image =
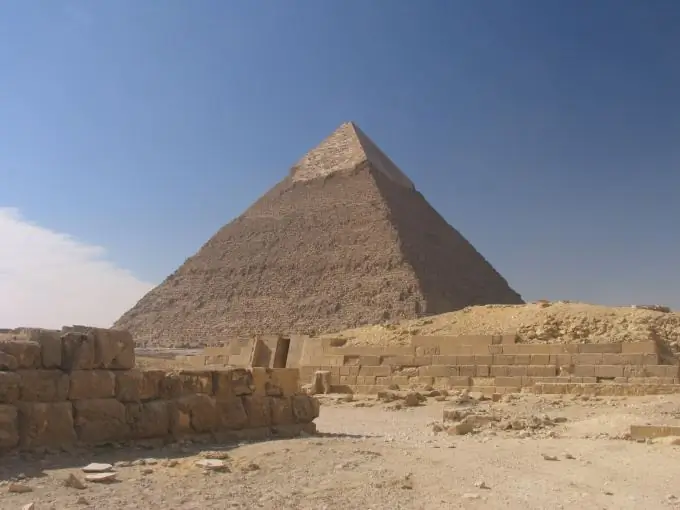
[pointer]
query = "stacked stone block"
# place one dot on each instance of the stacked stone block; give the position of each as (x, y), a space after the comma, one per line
(79, 386)
(495, 364)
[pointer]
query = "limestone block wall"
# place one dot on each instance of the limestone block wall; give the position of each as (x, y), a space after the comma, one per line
(493, 364)
(79, 386)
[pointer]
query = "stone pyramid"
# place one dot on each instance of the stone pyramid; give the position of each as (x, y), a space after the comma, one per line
(344, 240)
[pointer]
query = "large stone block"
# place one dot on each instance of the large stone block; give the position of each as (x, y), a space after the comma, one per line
(100, 420)
(50, 347)
(148, 420)
(275, 382)
(282, 411)
(170, 386)
(232, 413)
(262, 380)
(78, 351)
(258, 412)
(114, 349)
(232, 382)
(196, 381)
(285, 382)
(305, 408)
(46, 425)
(10, 387)
(138, 385)
(9, 427)
(193, 414)
(26, 353)
(87, 384)
(44, 385)
(8, 362)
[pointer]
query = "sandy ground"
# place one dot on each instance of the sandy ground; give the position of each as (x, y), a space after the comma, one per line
(370, 456)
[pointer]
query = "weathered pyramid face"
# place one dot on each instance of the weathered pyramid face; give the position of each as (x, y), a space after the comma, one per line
(344, 240)
(346, 149)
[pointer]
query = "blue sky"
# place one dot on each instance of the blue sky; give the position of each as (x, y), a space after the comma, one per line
(546, 131)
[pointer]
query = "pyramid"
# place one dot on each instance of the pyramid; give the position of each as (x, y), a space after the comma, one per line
(344, 240)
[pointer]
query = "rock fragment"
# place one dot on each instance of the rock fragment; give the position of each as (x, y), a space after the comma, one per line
(18, 488)
(74, 482)
(96, 467)
(101, 477)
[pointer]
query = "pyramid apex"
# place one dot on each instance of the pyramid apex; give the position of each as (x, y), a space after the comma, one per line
(345, 149)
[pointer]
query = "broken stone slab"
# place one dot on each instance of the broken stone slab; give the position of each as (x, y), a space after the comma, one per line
(101, 477)
(460, 429)
(97, 467)
(19, 488)
(213, 465)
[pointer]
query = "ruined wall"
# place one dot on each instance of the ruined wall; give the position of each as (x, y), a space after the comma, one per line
(485, 363)
(492, 364)
(79, 386)
(272, 351)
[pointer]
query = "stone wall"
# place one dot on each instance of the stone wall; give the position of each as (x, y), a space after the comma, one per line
(492, 364)
(79, 386)
(485, 363)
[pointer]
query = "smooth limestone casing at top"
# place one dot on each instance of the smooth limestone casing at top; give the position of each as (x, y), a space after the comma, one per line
(486, 363)
(80, 386)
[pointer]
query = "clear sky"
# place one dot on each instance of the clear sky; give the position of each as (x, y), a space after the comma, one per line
(546, 131)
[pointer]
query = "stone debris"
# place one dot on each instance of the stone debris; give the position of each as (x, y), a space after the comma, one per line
(473, 415)
(249, 467)
(29, 506)
(215, 454)
(668, 440)
(409, 398)
(19, 488)
(412, 399)
(74, 482)
(96, 467)
(213, 465)
(481, 484)
(460, 429)
(549, 457)
(101, 477)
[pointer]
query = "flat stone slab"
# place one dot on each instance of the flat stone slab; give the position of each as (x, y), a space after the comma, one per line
(97, 467)
(101, 477)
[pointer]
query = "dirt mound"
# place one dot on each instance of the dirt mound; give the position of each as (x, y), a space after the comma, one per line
(558, 322)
